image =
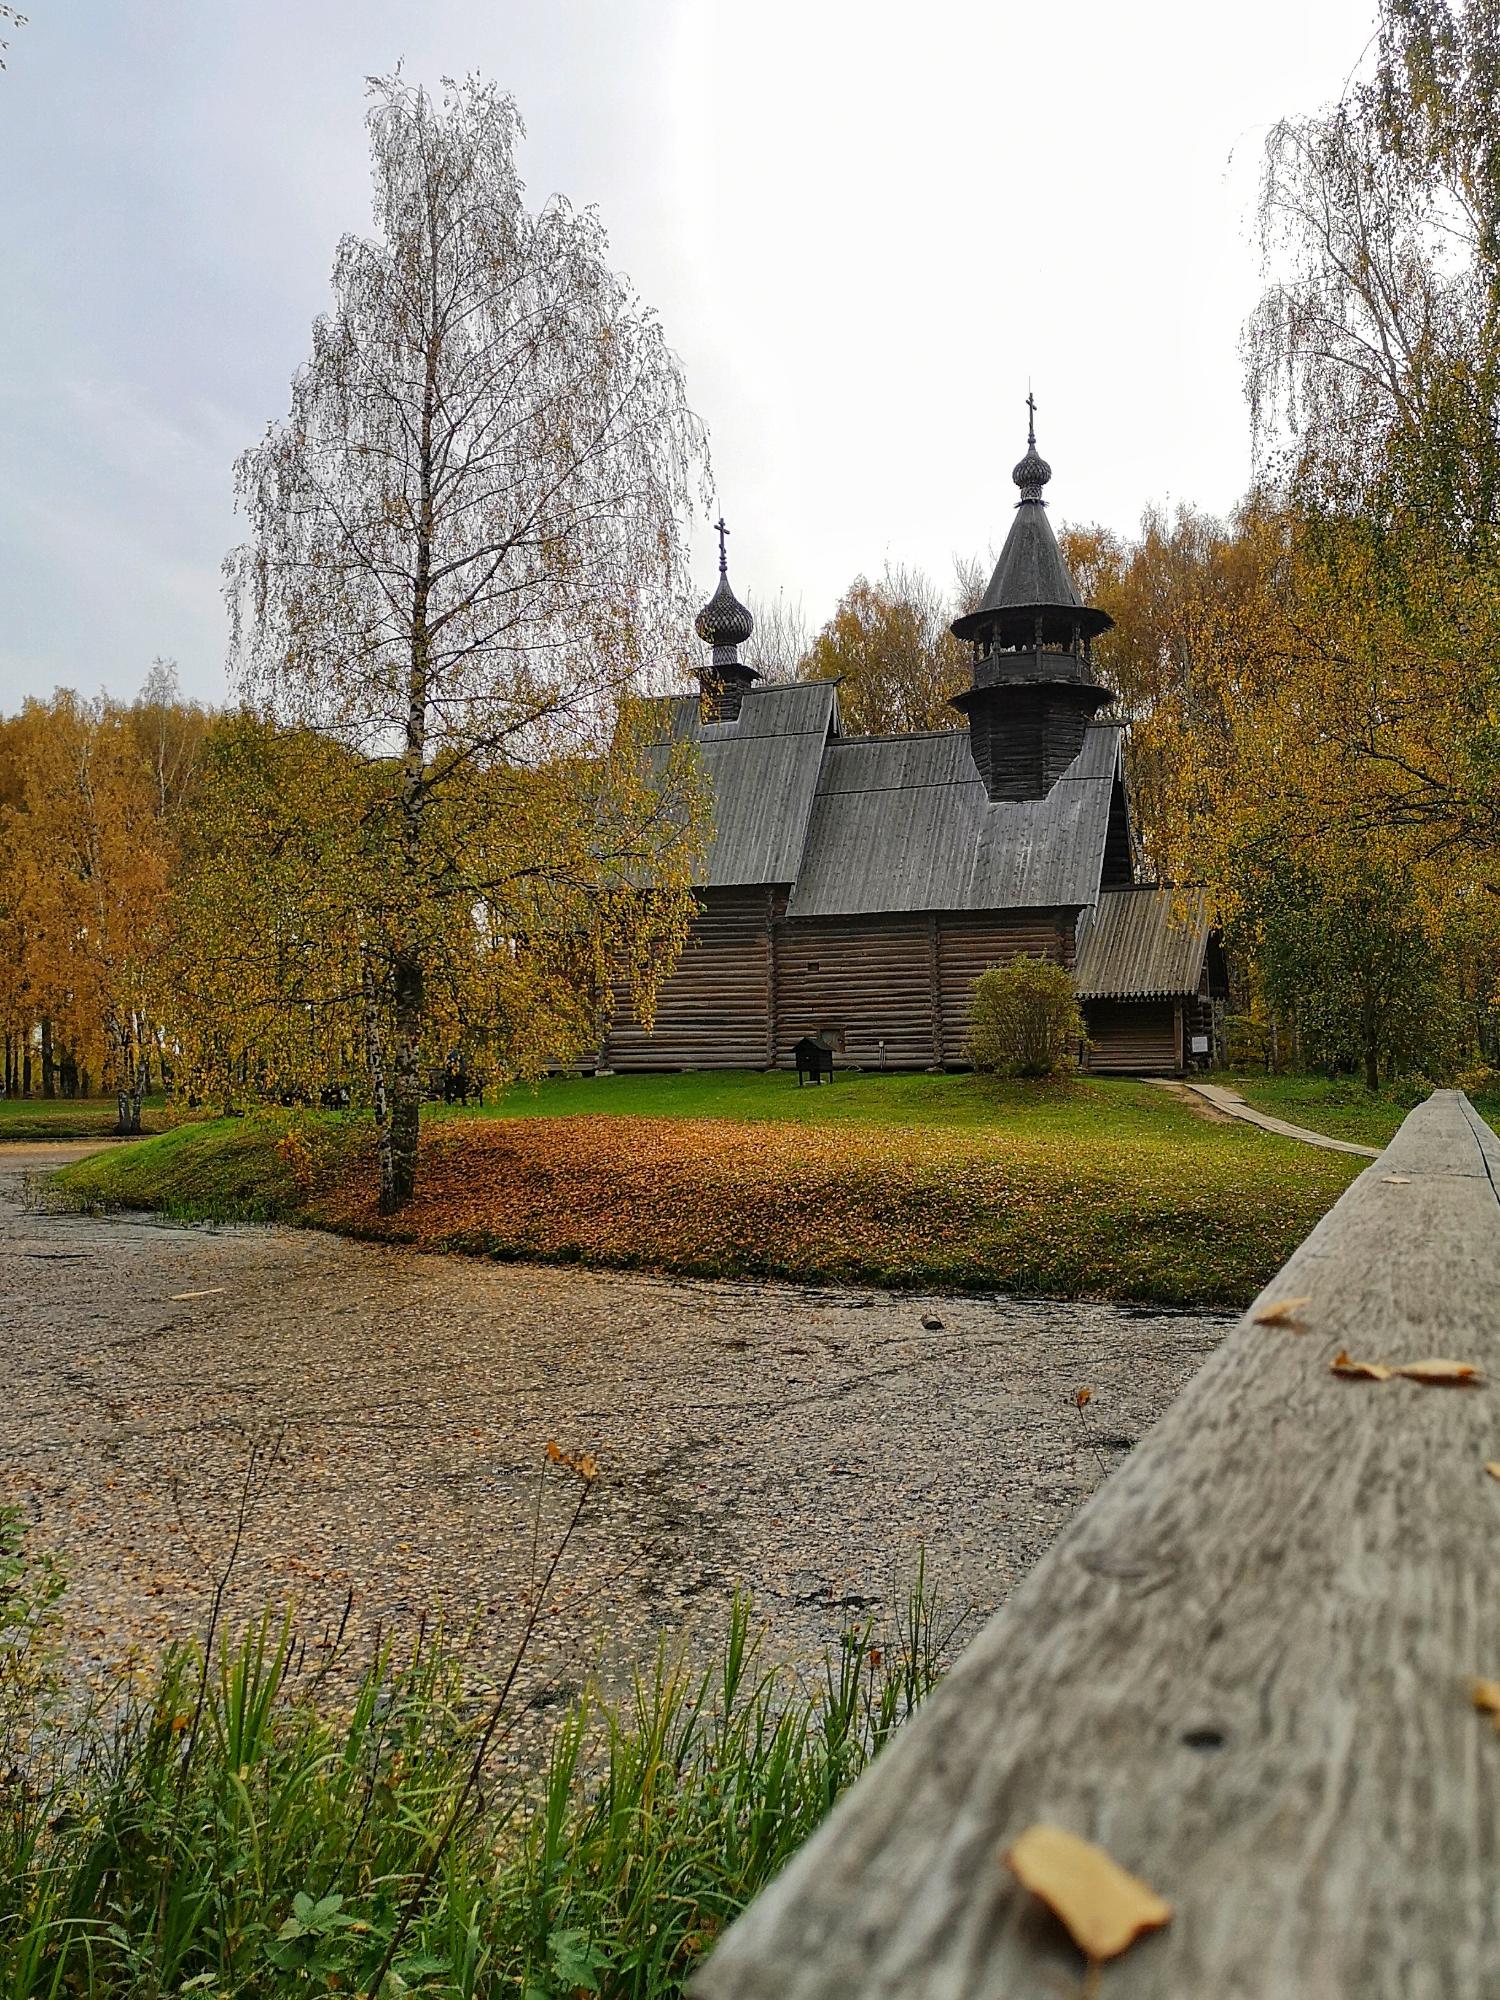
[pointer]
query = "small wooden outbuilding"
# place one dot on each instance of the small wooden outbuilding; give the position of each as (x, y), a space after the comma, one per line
(855, 887)
(1151, 977)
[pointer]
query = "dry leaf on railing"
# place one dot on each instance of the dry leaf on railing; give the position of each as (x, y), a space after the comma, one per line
(1372, 1371)
(1104, 1908)
(1281, 1312)
(1443, 1374)
(1459, 1373)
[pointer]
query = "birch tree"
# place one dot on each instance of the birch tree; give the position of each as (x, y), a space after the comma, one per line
(889, 647)
(1374, 376)
(463, 553)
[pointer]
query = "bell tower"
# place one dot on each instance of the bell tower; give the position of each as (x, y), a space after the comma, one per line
(1032, 635)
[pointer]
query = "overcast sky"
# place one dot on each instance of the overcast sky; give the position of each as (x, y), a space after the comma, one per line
(865, 224)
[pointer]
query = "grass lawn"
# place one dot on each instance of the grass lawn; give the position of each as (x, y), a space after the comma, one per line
(31, 1118)
(898, 1100)
(1102, 1189)
(1339, 1106)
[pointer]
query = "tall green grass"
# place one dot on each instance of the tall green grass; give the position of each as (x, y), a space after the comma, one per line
(225, 1827)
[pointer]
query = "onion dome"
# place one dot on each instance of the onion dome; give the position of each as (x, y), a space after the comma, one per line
(1032, 473)
(725, 624)
(724, 621)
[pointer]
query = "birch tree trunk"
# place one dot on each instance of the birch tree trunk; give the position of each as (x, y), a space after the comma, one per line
(130, 1070)
(399, 1176)
(375, 1070)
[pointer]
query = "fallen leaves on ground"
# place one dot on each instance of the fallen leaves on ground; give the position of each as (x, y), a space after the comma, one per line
(1492, 1467)
(1486, 1697)
(1396, 1180)
(1282, 1312)
(1115, 1203)
(715, 1197)
(1103, 1907)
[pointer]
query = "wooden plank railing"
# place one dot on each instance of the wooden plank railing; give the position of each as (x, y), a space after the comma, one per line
(1244, 1670)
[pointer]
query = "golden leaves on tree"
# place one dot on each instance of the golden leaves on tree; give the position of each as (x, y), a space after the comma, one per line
(94, 799)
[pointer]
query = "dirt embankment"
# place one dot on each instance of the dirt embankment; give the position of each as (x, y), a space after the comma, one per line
(1165, 1210)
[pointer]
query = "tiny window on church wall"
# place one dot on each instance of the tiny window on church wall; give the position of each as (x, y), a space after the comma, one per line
(813, 965)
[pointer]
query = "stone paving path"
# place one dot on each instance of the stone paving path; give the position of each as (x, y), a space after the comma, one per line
(1234, 1106)
(806, 1444)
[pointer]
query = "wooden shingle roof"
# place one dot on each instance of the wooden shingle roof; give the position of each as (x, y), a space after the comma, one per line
(1031, 578)
(1142, 944)
(904, 823)
(762, 771)
(874, 825)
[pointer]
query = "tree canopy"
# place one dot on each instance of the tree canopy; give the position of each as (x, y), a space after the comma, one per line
(94, 802)
(1312, 686)
(889, 647)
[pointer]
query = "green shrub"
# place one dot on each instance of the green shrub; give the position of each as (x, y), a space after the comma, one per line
(1247, 1040)
(1026, 1020)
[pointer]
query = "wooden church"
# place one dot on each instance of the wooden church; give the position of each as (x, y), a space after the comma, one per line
(855, 887)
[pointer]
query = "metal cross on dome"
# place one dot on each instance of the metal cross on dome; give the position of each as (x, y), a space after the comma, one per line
(1031, 416)
(723, 557)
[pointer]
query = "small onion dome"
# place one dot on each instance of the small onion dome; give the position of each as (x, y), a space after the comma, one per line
(1032, 474)
(724, 621)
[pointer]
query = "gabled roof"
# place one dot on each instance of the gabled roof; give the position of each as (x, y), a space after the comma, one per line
(904, 823)
(762, 769)
(874, 825)
(1142, 944)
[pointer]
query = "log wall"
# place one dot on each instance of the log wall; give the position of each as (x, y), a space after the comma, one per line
(751, 983)
(862, 981)
(714, 1011)
(1131, 1036)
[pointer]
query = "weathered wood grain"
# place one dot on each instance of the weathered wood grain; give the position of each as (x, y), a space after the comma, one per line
(895, 991)
(1243, 1670)
(866, 980)
(970, 945)
(713, 1010)
(1132, 1037)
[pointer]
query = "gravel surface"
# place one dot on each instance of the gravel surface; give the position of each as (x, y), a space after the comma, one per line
(806, 1444)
